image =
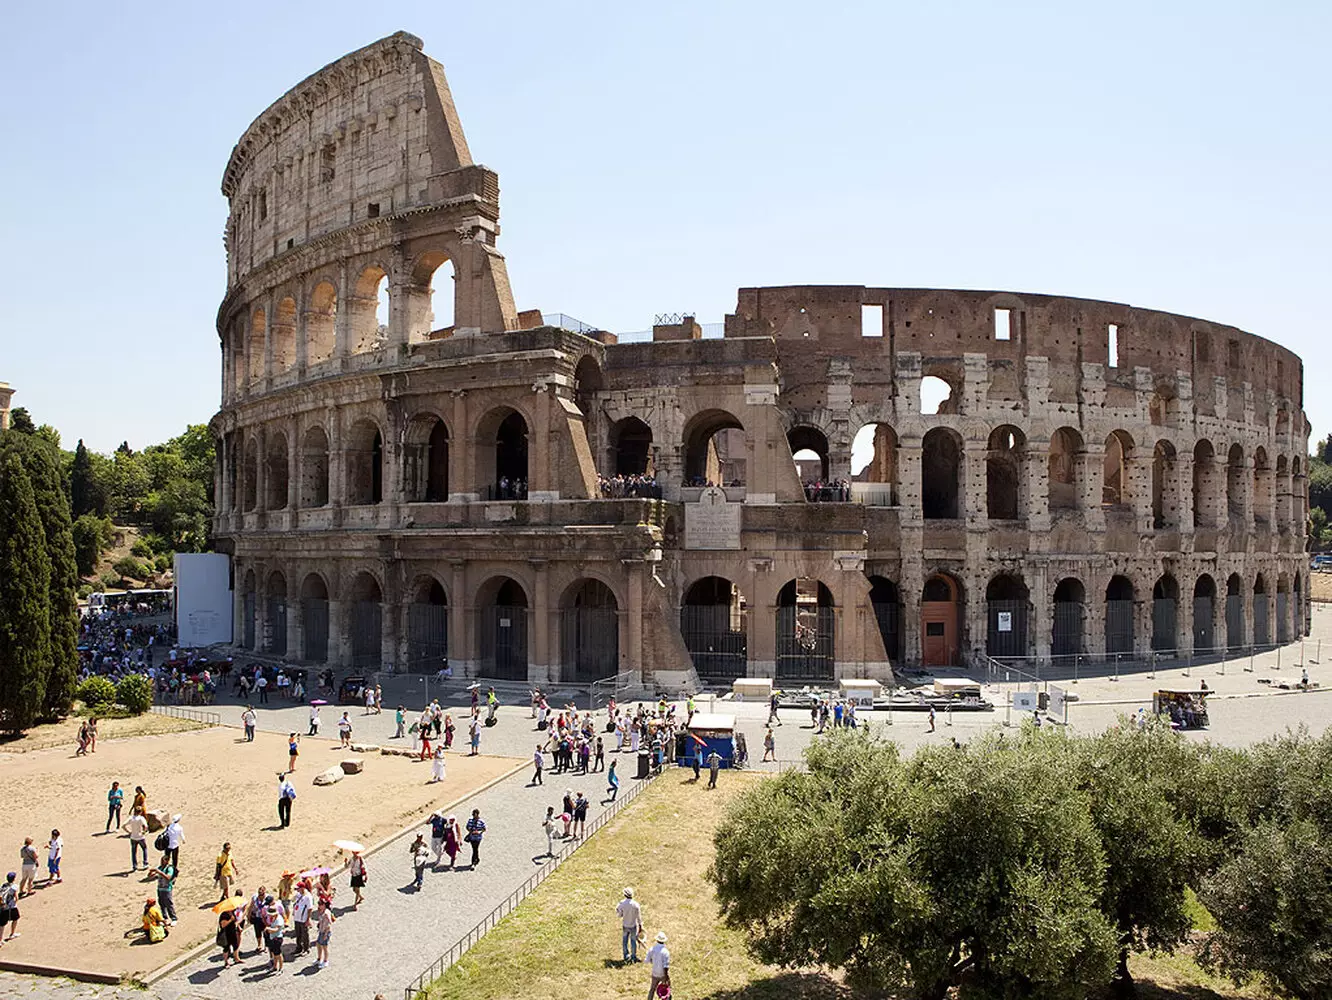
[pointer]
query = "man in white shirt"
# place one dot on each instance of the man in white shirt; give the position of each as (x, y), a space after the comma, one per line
(631, 916)
(661, 964)
(137, 828)
(300, 916)
(175, 835)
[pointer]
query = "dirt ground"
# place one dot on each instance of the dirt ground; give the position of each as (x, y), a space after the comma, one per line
(1320, 586)
(225, 789)
(65, 732)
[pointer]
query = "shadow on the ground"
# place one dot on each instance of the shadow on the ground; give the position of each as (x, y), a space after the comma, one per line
(1149, 990)
(787, 986)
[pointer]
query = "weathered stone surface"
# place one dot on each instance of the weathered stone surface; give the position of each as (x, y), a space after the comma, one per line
(365, 747)
(157, 819)
(353, 765)
(330, 777)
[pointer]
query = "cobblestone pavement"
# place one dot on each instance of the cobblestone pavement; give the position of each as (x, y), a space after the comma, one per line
(21, 987)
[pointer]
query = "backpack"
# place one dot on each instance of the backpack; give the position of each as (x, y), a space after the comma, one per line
(161, 843)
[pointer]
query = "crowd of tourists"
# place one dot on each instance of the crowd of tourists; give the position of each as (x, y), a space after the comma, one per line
(827, 491)
(634, 485)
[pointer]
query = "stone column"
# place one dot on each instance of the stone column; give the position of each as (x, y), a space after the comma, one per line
(400, 287)
(542, 667)
(539, 479)
(261, 470)
(1091, 472)
(1041, 596)
(1140, 486)
(462, 478)
(294, 465)
(1184, 492)
(631, 659)
(972, 495)
(295, 622)
(761, 623)
(1036, 468)
(302, 338)
(343, 319)
(461, 652)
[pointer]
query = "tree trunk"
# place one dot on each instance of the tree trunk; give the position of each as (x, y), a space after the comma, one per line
(1123, 983)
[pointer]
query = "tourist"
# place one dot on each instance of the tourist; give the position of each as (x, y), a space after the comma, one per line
(714, 765)
(256, 911)
(226, 871)
(600, 759)
(229, 930)
(314, 721)
(538, 763)
(324, 929)
(139, 807)
(476, 829)
(55, 852)
(114, 798)
(451, 840)
(293, 751)
(9, 910)
(28, 867)
(344, 730)
(567, 810)
(301, 908)
(448, 731)
(769, 745)
(286, 796)
(400, 717)
(261, 685)
(92, 733)
(579, 816)
(326, 889)
(356, 869)
(548, 824)
(369, 699)
(275, 924)
(931, 729)
(437, 764)
(660, 959)
(137, 828)
(474, 729)
(631, 920)
(420, 858)
(379, 700)
(437, 825)
(154, 926)
(248, 720)
(81, 741)
(165, 873)
(612, 783)
(772, 709)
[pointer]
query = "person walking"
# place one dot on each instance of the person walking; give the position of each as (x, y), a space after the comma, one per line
(769, 745)
(773, 718)
(420, 858)
(114, 798)
(226, 872)
(579, 816)
(400, 717)
(931, 729)
(474, 729)
(301, 908)
(345, 730)
(293, 751)
(139, 807)
(714, 765)
(612, 782)
(437, 827)
(324, 921)
(451, 840)
(548, 824)
(314, 721)
(137, 828)
(229, 930)
(660, 960)
(476, 829)
(28, 866)
(599, 762)
(369, 699)
(356, 869)
(286, 796)
(55, 852)
(248, 720)
(538, 764)
(275, 924)
(165, 873)
(631, 920)
(9, 908)
(437, 764)
(449, 728)
(256, 911)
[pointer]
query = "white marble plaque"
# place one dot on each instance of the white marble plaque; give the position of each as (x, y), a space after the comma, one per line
(712, 523)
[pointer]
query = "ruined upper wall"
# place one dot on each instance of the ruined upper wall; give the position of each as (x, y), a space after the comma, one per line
(366, 136)
(816, 322)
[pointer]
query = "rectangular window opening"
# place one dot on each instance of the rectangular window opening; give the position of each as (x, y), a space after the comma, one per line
(1003, 328)
(263, 205)
(372, 210)
(1112, 345)
(1234, 354)
(328, 163)
(871, 321)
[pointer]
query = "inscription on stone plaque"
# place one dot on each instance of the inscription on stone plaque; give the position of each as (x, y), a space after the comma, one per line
(713, 522)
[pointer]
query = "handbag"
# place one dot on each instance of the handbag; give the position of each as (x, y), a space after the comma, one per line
(217, 874)
(161, 842)
(221, 938)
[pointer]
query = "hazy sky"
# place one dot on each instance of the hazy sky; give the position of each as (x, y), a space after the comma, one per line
(654, 158)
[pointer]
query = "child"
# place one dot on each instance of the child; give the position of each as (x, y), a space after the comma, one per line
(9, 911)
(420, 858)
(55, 850)
(324, 928)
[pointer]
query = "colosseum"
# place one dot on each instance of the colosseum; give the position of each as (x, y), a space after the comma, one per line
(837, 481)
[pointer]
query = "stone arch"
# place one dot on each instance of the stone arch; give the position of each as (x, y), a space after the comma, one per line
(275, 613)
(1115, 469)
(874, 460)
(250, 475)
(1007, 610)
(365, 597)
(427, 625)
(240, 369)
(431, 297)
(942, 602)
(1065, 469)
(1283, 608)
(283, 337)
(1068, 629)
(941, 474)
(1204, 483)
(589, 631)
(321, 323)
(1262, 612)
(314, 468)
(249, 609)
(1262, 488)
(1282, 492)
(1119, 615)
(631, 448)
(502, 453)
(314, 618)
(1234, 611)
(257, 346)
(886, 600)
(366, 332)
(1165, 486)
(707, 449)
(809, 452)
(806, 631)
(276, 470)
(425, 459)
(502, 605)
(1165, 614)
(1236, 475)
(588, 381)
(1004, 463)
(365, 463)
(714, 626)
(1204, 614)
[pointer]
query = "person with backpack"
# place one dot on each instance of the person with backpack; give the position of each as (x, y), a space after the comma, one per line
(286, 796)
(165, 873)
(476, 829)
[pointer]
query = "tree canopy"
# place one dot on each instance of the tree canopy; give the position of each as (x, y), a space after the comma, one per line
(25, 580)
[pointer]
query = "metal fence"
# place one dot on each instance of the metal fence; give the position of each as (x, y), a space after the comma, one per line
(314, 629)
(1006, 631)
(1076, 666)
(504, 643)
(1068, 628)
(805, 643)
(275, 626)
(590, 639)
(193, 714)
(888, 614)
(437, 968)
(427, 637)
(719, 652)
(367, 631)
(1118, 627)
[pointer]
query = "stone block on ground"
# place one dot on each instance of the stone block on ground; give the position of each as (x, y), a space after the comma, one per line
(330, 777)
(157, 819)
(365, 748)
(353, 765)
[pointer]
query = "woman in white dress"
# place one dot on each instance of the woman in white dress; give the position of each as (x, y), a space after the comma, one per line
(437, 764)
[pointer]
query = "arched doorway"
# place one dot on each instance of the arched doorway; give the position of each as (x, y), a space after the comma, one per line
(714, 450)
(276, 474)
(1204, 615)
(1064, 469)
(367, 622)
(503, 604)
(1070, 608)
(314, 619)
(1297, 608)
(275, 615)
(365, 463)
(714, 625)
(1115, 470)
(940, 618)
(314, 468)
(590, 632)
(249, 611)
(809, 451)
(631, 448)
(428, 627)
(425, 460)
(1165, 487)
(1119, 616)
(1262, 609)
(1165, 615)
(940, 474)
(886, 600)
(806, 626)
(1006, 611)
(1003, 473)
(1234, 611)
(1283, 609)
(874, 460)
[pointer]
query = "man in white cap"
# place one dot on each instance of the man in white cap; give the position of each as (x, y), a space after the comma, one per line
(175, 836)
(631, 918)
(661, 965)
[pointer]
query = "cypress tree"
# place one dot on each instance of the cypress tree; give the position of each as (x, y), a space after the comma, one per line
(25, 582)
(82, 485)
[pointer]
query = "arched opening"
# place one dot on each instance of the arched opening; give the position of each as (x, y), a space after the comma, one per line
(1204, 615)
(806, 631)
(1165, 487)
(1283, 609)
(1070, 613)
(940, 474)
(1204, 484)
(503, 606)
(1003, 474)
(1006, 604)
(425, 460)
(275, 615)
(1262, 634)
(886, 600)
(314, 619)
(249, 610)
(714, 450)
(284, 335)
(240, 376)
(369, 308)
(1262, 489)
(1119, 616)
(258, 347)
(314, 468)
(936, 396)
(631, 449)
(276, 472)
(427, 627)
(714, 624)
(432, 296)
(367, 622)
(321, 323)
(1115, 470)
(1234, 611)
(1299, 508)
(874, 460)
(588, 381)
(511, 458)
(1235, 478)
(365, 463)
(250, 477)
(809, 451)
(590, 632)
(1282, 493)
(1165, 614)
(940, 618)
(1297, 607)
(1064, 468)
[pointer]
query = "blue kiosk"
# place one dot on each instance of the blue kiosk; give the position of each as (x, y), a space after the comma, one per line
(706, 733)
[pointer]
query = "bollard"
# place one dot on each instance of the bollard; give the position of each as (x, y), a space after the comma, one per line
(1278, 662)
(1223, 660)
(1077, 662)
(1116, 677)
(948, 718)
(1301, 663)
(1249, 668)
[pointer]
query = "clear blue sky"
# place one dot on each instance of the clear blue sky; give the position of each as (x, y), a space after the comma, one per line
(654, 158)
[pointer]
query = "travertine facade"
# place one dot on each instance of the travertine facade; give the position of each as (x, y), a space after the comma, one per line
(1101, 479)
(6, 394)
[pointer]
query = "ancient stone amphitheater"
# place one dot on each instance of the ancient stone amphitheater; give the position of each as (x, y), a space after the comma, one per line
(411, 469)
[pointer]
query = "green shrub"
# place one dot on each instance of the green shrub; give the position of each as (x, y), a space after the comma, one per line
(135, 692)
(162, 563)
(109, 581)
(129, 568)
(96, 691)
(84, 590)
(142, 549)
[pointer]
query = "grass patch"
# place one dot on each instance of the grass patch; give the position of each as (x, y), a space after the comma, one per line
(65, 732)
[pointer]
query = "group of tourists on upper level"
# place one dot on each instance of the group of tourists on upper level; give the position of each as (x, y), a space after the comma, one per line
(693, 481)
(634, 485)
(511, 489)
(827, 491)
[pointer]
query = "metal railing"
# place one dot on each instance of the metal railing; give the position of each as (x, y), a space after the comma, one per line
(193, 714)
(437, 968)
(598, 691)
